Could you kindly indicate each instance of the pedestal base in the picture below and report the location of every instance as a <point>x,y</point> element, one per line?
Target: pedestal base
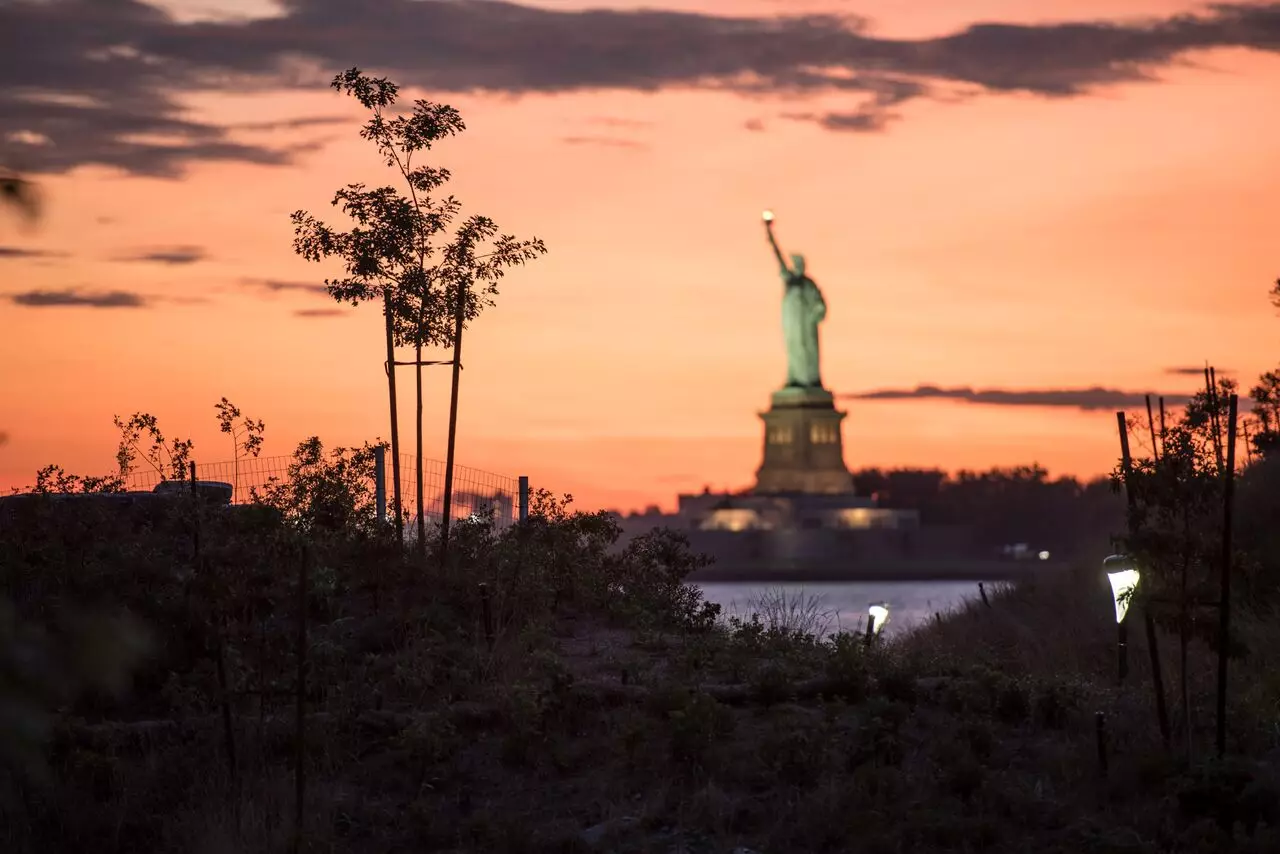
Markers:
<point>803,448</point>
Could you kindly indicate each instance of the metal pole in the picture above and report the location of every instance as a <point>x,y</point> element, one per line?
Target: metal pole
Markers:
<point>458,316</point>
<point>380,481</point>
<point>524,498</point>
<point>1157,676</point>
<point>1224,609</point>
<point>1122,647</point>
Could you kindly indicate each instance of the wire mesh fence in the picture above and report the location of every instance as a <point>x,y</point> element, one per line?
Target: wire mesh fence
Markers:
<point>475,492</point>
<point>244,475</point>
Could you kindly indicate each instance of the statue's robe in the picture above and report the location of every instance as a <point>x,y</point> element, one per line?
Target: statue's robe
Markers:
<point>802,310</point>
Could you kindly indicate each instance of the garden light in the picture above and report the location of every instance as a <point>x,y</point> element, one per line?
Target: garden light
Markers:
<point>879,616</point>
<point>1124,576</point>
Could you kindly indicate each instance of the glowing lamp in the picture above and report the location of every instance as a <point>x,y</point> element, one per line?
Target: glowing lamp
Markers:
<point>1044,555</point>
<point>879,616</point>
<point>767,216</point>
<point>1124,577</point>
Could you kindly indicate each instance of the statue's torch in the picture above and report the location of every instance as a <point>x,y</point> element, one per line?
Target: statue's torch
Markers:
<point>767,216</point>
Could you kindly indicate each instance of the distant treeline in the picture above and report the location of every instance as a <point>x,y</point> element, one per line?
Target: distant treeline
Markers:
<point>1005,506</point>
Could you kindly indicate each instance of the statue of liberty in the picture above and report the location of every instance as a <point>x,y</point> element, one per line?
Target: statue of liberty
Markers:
<point>803,308</point>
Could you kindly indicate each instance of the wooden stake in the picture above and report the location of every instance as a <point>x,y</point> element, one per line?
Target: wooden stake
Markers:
<point>1163,432</point>
<point>1151,423</point>
<point>397,503</point>
<point>1224,608</point>
<point>421,545</point>
<point>1100,726</point>
<point>1215,423</point>
<point>1157,677</point>
<point>1184,627</point>
<point>300,740</point>
<point>487,607</point>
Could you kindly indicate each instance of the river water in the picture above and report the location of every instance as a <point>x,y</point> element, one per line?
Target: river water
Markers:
<point>843,605</point>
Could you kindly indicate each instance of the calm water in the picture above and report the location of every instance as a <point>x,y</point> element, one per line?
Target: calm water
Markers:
<point>846,603</point>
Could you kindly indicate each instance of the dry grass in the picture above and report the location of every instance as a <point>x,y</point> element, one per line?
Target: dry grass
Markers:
<point>793,611</point>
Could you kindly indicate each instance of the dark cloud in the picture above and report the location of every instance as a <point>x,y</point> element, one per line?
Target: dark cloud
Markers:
<point>756,125</point>
<point>319,312</point>
<point>101,81</point>
<point>1087,399</point>
<point>4,438</point>
<point>1191,371</point>
<point>174,255</point>
<point>18,252</point>
<point>74,297</point>
<point>279,285</point>
<point>603,141</point>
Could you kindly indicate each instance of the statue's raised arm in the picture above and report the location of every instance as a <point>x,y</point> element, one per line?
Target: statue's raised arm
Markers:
<point>773,242</point>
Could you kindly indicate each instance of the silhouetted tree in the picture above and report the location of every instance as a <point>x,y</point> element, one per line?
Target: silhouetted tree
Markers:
<point>1265,424</point>
<point>870,482</point>
<point>391,255</point>
<point>1003,506</point>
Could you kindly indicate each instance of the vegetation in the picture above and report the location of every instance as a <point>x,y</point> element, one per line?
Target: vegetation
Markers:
<point>546,690</point>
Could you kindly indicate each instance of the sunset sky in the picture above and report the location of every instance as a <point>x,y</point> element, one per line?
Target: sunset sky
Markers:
<point>998,195</point>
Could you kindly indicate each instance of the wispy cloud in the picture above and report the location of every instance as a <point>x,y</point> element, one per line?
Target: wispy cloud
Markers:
<point>605,141</point>
<point>173,256</point>
<point>283,285</point>
<point>104,83</point>
<point>320,312</point>
<point>619,122</point>
<point>19,252</point>
<point>82,299</point>
<point>1193,371</point>
<point>1085,399</point>
<point>4,438</point>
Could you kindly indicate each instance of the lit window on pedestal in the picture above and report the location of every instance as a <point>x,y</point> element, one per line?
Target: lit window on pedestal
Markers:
<point>780,436</point>
<point>822,434</point>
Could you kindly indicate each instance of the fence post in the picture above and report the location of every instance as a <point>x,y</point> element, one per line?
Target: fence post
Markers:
<point>524,498</point>
<point>380,481</point>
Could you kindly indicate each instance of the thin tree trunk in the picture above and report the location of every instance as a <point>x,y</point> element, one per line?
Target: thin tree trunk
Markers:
<point>422,506</point>
<point>397,505</point>
<point>459,314</point>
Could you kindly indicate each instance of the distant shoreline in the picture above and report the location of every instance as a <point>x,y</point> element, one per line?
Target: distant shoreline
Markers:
<point>884,570</point>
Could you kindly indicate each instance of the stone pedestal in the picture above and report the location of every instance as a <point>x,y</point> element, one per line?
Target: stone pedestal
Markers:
<point>803,448</point>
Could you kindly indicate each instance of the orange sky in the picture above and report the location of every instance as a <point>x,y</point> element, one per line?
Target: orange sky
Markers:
<point>1005,241</point>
